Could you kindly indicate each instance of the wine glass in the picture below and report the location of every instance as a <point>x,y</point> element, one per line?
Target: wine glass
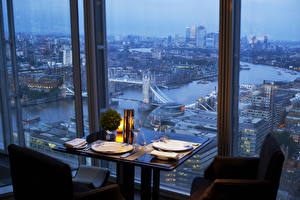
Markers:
<point>136,130</point>
<point>156,125</point>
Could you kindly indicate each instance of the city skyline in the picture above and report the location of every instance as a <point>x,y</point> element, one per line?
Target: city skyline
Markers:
<point>137,17</point>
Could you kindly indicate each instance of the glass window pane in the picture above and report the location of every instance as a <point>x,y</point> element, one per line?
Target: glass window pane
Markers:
<point>5,20</point>
<point>4,9</point>
<point>162,62</point>
<point>269,84</point>
<point>44,59</point>
<point>1,130</point>
<point>83,67</point>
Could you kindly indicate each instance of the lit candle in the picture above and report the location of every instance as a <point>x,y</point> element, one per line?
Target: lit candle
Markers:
<point>119,137</point>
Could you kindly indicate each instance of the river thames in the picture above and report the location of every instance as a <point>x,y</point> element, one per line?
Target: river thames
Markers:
<point>63,110</point>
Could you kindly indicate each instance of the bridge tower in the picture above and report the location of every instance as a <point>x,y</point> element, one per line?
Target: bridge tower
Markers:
<point>146,87</point>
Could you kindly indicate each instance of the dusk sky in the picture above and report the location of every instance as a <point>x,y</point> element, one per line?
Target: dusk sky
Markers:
<point>279,19</point>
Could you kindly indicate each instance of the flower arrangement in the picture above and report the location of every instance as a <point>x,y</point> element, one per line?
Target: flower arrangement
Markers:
<point>110,120</point>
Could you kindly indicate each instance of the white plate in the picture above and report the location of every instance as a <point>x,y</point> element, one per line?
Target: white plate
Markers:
<point>173,145</point>
<point>111,147</point>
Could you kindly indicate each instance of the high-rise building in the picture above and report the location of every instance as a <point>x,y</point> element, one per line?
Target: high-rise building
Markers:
<point>266,44</point>
<point>269,102</point>
<point>212,40</point>
<point>193,32</point>
<point>190,33</point>
<point>252,132</point>
<point>200,36</point>
<point>209,42</point>
<point>187,33</point>
<point>67,57</point>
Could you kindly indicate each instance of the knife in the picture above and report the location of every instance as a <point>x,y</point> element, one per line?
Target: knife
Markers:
<point>128,154</point>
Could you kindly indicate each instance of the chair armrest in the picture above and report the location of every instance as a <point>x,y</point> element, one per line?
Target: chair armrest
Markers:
<point>232,168</point>
<point>238,189</point>
<point>111,192</point>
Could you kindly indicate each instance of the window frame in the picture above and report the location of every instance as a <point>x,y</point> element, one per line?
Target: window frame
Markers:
<point>228,74</point>
<point>4,92</point>
<point>97,71</point>
<point>228,83</point>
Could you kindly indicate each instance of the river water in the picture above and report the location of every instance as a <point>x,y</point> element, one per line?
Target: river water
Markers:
<point>189,93</point>
<point>63,110</point>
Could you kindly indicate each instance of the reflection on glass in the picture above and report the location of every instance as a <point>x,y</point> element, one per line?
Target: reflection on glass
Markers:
<point>83,67</point>
<point>269,84</point>
<point>1,130</point>
<point>162,62</point>
<point>44,59</point>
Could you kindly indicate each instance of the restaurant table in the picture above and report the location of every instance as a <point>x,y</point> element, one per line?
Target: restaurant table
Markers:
<point>150,165</point>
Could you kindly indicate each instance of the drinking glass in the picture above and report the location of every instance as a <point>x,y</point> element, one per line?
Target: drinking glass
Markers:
<point>156,125</point>
<point>136,130</point>
<point>164,135</point>
<point>141,141</point>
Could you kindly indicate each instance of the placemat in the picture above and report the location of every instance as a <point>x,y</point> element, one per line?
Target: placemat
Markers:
<point>141,152</point>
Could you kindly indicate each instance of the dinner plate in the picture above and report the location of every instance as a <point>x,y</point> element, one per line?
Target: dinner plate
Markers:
<point>111,147</point>
<point>172,145</point>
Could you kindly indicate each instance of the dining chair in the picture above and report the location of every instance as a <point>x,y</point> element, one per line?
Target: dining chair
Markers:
<point>39,176</point>
<point>242,177</point>
<point>93,177</point>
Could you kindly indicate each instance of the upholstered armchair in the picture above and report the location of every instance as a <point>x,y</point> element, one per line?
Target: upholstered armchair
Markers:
<point>38,176</point>
<point>242,177</point>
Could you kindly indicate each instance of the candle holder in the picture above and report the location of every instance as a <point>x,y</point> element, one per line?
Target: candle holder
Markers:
<point>128,126</point>
<point>119,137</point>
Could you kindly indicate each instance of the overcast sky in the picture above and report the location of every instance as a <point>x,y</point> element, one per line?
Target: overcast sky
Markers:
<point>279,19</point>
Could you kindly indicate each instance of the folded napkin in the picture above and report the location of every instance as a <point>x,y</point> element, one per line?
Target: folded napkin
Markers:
<point>164,155</point>
<point>75,143</point>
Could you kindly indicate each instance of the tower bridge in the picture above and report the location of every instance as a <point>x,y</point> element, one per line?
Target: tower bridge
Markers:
<point>150,89</point>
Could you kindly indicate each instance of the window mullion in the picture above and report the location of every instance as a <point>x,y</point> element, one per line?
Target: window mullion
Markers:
<point>15,71</point>
<point>90,51</point>
<point>76,68</point>
<point>228,74</point>
<point>5,106</point>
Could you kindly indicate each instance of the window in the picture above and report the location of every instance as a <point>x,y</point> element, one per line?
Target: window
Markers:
<point>5,26</point>
<point>83,67</point>
<point>165,66</point>
<point>45,74</point>
<point>269,84</point>
<point>1,131</point>
<point>162,66</point>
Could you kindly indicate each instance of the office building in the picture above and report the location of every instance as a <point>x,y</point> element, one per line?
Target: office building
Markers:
<point>201,37</point>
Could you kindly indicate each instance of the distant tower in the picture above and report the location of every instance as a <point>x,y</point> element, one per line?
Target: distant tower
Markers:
<point>169,40</point>
<point>266,42</point>
<point>146,87</point>
<point>193,32</point>
<point>67,57</point>
<point>187,33</point>
<point>200,36</point>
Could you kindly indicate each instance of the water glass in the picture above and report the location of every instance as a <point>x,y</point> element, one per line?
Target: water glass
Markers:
<point>140,141</point>
<point>164,135</point>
